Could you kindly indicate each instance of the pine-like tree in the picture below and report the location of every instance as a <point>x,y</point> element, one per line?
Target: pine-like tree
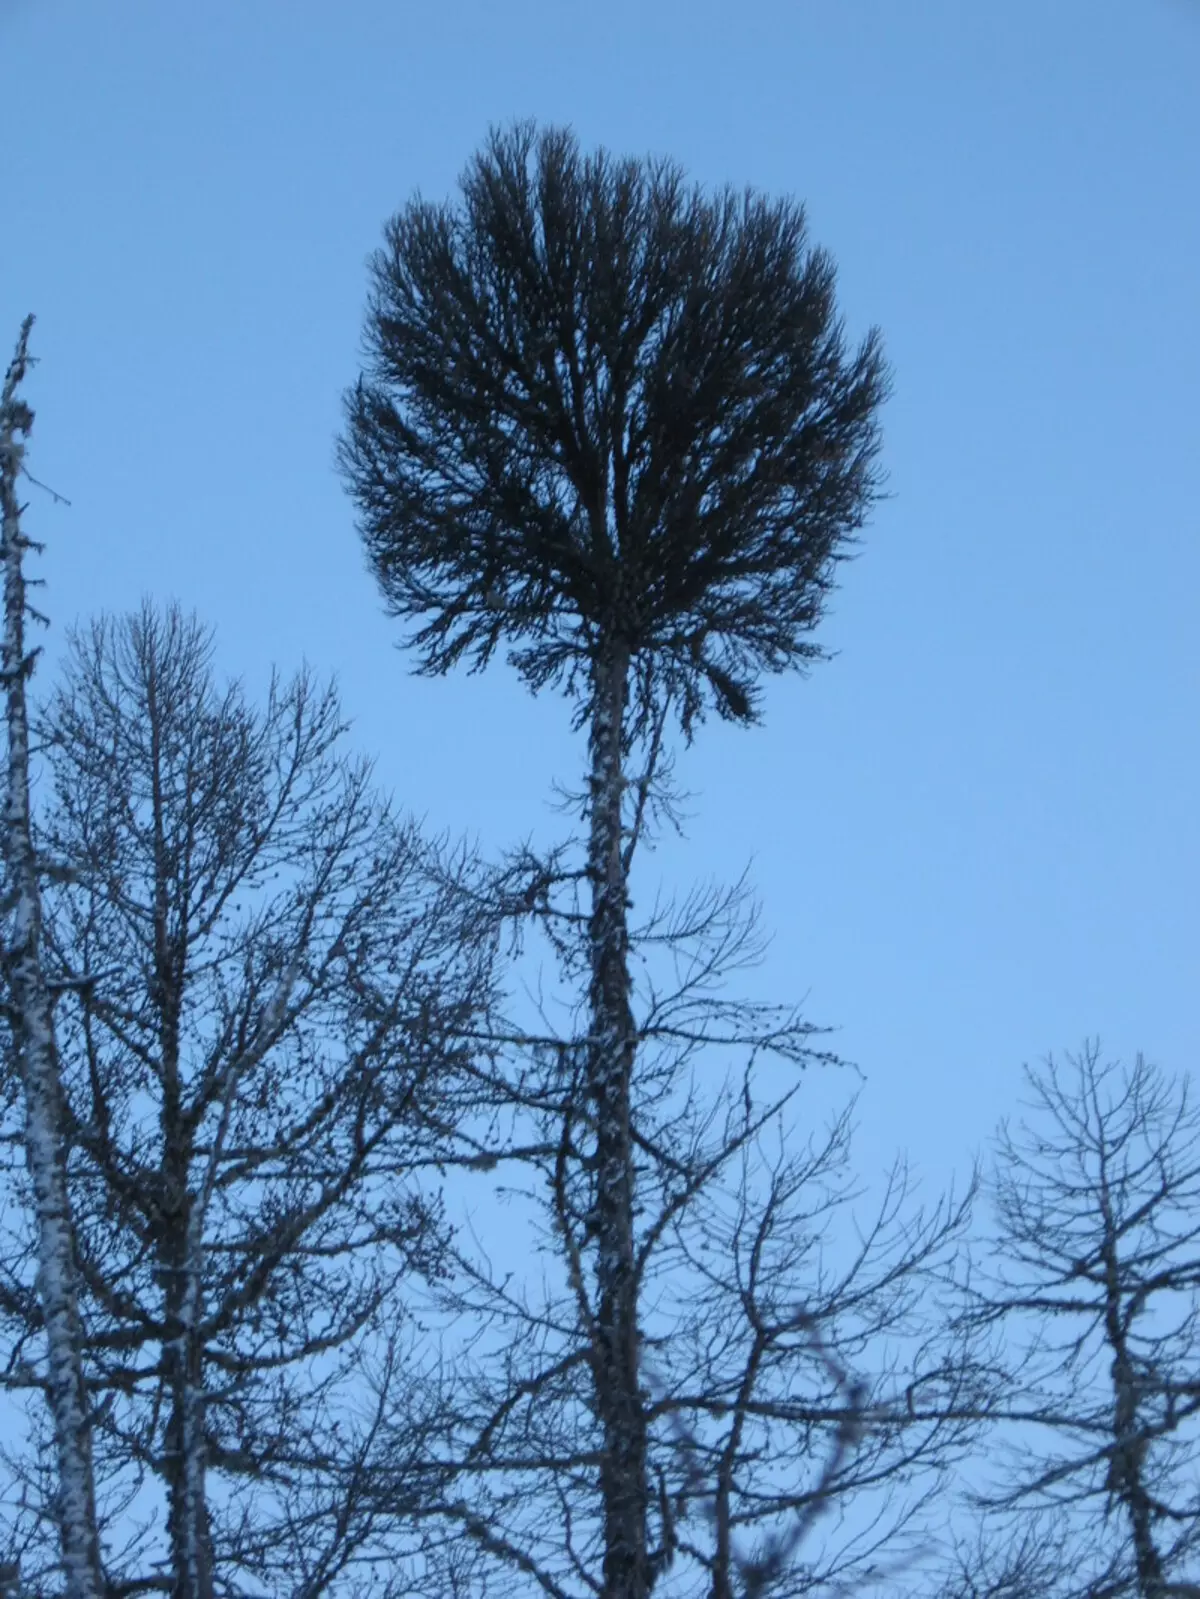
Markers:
<point>612,424</point>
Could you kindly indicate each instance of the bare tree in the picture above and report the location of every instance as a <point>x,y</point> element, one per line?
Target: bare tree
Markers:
<point>29,1010</point>
<point>262,987</point>
<point>613,423</point>
<point>796,1381</point>
<point>1095,1288</point>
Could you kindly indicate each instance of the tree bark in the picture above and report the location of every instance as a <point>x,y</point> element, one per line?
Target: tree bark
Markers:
<point>611,1052</point>
<point>188,1522</point>
<point>181,1246</point>
<point>1126,1474</point>
<point>31,1007</point>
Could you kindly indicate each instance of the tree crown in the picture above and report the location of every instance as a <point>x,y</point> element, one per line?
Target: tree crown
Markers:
<point>599,407</point>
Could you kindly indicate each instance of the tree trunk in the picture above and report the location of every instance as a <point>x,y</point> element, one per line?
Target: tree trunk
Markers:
<point>191,1547</point>
<point>610,1065</point>
<point>182,1236</point>
<point>33,1030</point>
<point>1126,1472</point>
<point>182,1257</point>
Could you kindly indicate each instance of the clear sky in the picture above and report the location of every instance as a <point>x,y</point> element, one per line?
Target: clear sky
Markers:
<point>975,831</point>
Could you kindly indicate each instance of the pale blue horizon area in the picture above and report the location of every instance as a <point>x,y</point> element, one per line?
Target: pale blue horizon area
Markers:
<point>974,831</point>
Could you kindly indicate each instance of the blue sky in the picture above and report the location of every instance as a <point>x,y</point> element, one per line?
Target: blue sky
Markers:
<point>974,831</point>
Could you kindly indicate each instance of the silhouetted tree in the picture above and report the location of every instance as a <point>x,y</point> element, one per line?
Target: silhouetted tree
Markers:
<point>612,424</point>
<point>1094,1286</point>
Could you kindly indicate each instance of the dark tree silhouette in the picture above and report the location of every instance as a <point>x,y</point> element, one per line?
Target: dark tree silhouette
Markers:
<point>1094,1285</point>
<point>612,424</point>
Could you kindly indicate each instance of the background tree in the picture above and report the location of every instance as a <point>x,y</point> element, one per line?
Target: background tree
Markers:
<point>1095,1289</point>
<point>251,1085</point>
<point>613,424</point>
<point>29,1012</point>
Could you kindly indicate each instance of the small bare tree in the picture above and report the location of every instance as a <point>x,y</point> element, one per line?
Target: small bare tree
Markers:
<point>1095,1289</point>
<point>29,1002</point>
<point>799,1392</point>
<point>262,987</point>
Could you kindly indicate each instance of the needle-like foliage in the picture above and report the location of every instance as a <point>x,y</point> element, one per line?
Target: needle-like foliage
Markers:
<point>599,402</point>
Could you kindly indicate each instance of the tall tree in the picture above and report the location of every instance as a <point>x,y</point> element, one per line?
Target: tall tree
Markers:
<point>29,1010</point>
<point>613,424</point>
<point>1094,1284</point>
<point>252,1086</point>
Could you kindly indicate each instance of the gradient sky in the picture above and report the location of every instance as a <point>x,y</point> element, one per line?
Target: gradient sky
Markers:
<point>974,832</point>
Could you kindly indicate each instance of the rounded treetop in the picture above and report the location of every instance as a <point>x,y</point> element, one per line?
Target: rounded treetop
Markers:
<point>602,409</point>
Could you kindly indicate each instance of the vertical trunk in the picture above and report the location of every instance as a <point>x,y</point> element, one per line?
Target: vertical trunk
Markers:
<point>1126,1472</point>
<point>182,1235</point>
<point>31,1009</point>
<point>187,1521</point>
<point>1127,1478</point>
<point>185,1452</point>
<point>623,1470</point>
